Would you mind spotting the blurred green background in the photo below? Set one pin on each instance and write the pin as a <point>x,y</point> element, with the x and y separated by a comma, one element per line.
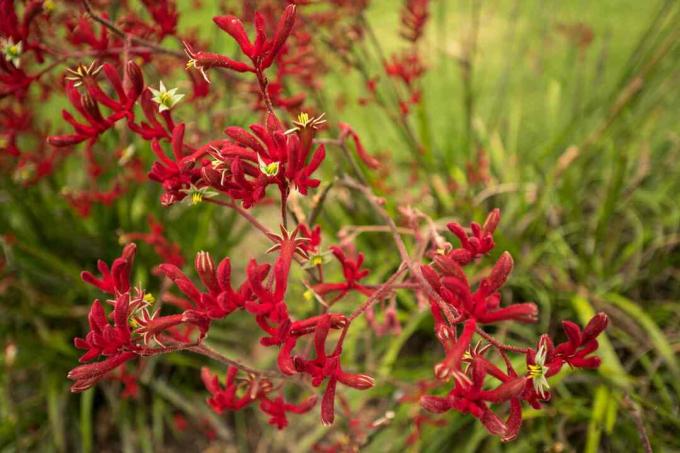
<point>576,107</point>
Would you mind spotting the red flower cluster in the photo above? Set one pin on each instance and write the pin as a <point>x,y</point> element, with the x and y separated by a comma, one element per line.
<point>239,393</point>
<point>261,52</point>
<point>235,172</point>
<point>414,17</point>
<point>469,393</point>
<point>246,166</point>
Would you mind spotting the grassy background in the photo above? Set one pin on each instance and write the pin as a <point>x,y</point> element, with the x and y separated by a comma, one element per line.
<point>583,143</point>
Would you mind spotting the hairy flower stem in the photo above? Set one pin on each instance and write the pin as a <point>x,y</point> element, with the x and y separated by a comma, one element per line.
<point>263,83</point>
<point>378,294</point>
<point>245,214</point>
<point>447,310</point>
<point>500,346</point>
<point>211,353</point>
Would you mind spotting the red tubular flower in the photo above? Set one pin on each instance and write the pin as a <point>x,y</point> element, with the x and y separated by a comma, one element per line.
<point>547,360</point>
<point>468,396</point>
<point>484,303</point>
<point>164,13</point>
<point>220,300</point>
<point>86,376</point>
<point>80,31</point>
<point>347,131</point>
<point>13,81</point>
<point>353,274</point>
<point>267,303</point>
<point>179,175</point>
<point>326,366</point>
<point>313,236</point>
<point>479,243</point>
<point>229,397</point>
<point>277,408</point>
<point>206,60</point>
<point>82,201</point>
<point>113,341</point>
<point>575,351</point>
<point>87,104</point>
<point>103,338</point>
<point>117,279</point>
<point>264,50</point>
<point>454,352</point>
<point>406,68</point>
<point>245,168</point>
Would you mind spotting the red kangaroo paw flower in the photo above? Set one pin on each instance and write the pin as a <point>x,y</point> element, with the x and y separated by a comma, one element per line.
<point>86,376</point>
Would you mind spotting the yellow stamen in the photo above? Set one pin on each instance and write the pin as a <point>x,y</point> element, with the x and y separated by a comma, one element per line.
<point>536,371</point>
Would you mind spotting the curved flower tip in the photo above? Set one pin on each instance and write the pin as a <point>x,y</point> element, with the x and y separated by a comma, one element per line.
<point>357,381</point>
<point>595,327</point>
<point>492,221</point>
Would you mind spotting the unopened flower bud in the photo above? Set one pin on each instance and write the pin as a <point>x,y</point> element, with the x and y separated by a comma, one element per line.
<point>136,79</point>
<point>499,274</point>
<point>205,267</point>
<point>595,327</point>
<point>491,221</point>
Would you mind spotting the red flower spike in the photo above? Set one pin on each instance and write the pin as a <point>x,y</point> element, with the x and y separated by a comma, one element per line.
<point>87,104</point>
<point>116,280</point>
<point>104,339</point>
<point>245,168</point>
<point>313,236</point>
<point>179,175</point>
<point>164,15</point>
<point>468,396</point>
